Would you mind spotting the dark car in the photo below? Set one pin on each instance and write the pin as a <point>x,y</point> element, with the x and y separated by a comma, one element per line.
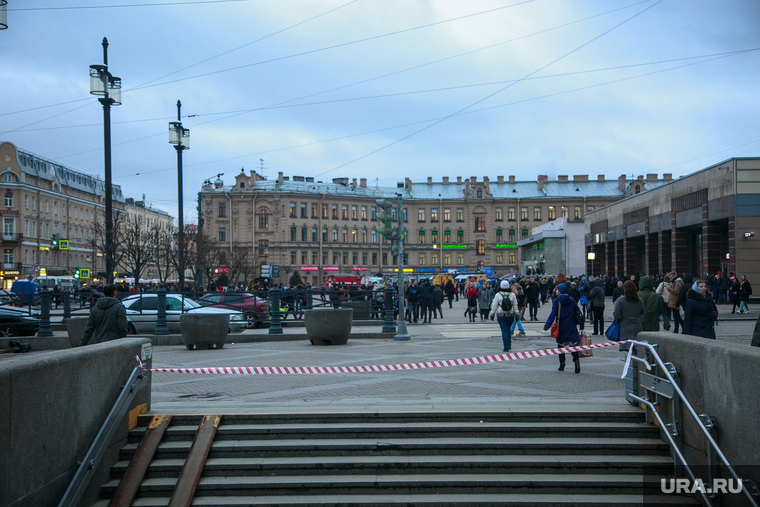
<point>15,323</point>
<point>255,308</point>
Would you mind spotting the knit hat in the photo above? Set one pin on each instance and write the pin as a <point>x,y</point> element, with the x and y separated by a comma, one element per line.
<point>562,288</point>
<point>504,285</point>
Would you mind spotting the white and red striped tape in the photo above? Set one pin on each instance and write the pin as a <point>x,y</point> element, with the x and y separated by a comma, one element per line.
<point>309,370</point>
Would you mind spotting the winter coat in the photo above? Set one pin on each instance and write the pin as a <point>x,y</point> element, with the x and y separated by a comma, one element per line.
<point>700,314</point>
<point>520,298</point>
<point>675,291</point>
<point>496,305</point>
<point>437,296</point>
<point>664,291</point>
<point>426,294</point>
<point>413,293</point>
<point>450,290</point>
<point>723,282</point>
<point>653,305</point>
<point>745,291</point>
<point>108,321</point>
<point>531,293</point>
<point>628,315</point>
<point>567,330</point>
<point>574,293</point>
<point>596,296</point>
<point>617,294</point>
<point>483,298</point>
<point>687,282</point>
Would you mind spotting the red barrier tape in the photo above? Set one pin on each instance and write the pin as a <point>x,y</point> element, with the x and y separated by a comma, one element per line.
<point>310,370</point>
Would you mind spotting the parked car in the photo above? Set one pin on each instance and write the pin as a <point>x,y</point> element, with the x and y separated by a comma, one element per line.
<point>26,292</point>
<point>255,309</point>
<point>142,311</point>
<point>17,323</point>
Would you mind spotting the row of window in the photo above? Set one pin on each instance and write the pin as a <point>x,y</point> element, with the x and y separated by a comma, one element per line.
<point>342,258</point>
<point>83,213</point>
<point>31,257</point>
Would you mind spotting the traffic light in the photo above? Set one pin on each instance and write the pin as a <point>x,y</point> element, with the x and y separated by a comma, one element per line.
<point>385,216</point>
<point>76,273</point>
<point>54,241</point>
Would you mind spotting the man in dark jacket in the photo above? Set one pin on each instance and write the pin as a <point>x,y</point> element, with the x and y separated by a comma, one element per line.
<point>451,291</point>
<point>413,297</point>
<point>722,283</point>
<point>618,291</point>
<point>596,303</point>
<point>437,301</point>
<point>108,319</point>
<point>531,295</point>
<point>426,301</point>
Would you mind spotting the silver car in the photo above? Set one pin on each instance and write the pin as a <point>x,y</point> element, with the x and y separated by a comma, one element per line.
<point>142,313</point>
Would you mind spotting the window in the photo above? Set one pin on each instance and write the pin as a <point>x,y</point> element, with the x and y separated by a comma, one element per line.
<point>460,214</point>
<point>8,177</point>
<point>364,235</point>
<point>591,208</point>
<point>324,211</point>
<point>434,215</point>
<point>344,212</point>
<point>524,233</point>
<point>293,210</point>
<point>26,202</point>
<point>523,213</point>
<point>313,257</point>
<point>405,218</point>
<point>8,200</point>
<point>434,237</point>
<point>373,212</point>
<point>499,258</point>
<point>460,237</point>
<point>447,214</point>
<point>364,213</point>
<point>34,231</point>
<point>480,193</point>
<point>480,224</point>
<point>511,214</point>
<point>564,211</point>
<point>335,235</point>
<point>385,259</point>
<point>55,207</point>
<point>345,236</point>
<point>313,211</point>
<point>9,226</point>
<point>47,230</point>
<point>447,259</point>
<point>34,203</point>
<point>324,235</point>
<point>422,237</point>
<point>578,212</point>
<point>364,259</point>
<point>499,214</point>
<point>354,237</point>
<point>422,259</point>
<point>354,259</point>
<point>304,234</point>
<point>373,236</point>
<point>8,256</point>
<point>293,232</point>
<point>434,259</point>
<point>292,258</point>
<point>498,236</point>
<point>393,214</point>
<point>335,211</point>
<point>536,213</point>
<point>303,210</point>
<point>222,234</point>
<point>345,258</point>
<point>374,259</point>
<point>263,220</point>
<point>511,257</point>
<point>222,209</point>
<point>303,259</point>
<point>511,235</point>
<point>480,245</point>
<point>353,213</point>
<point>314,238</point>
<point>552,214</point>
<point>447,237</point>
<point>460,259</point>
<point>336,258</point>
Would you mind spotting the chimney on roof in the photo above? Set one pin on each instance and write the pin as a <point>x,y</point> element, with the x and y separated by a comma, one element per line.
<point>511,179</point>
<point>430,180</point>
<point>667,177</point>
<point>580,178</point>
<point>353,183</point>
<point>500,179</point>
<point>541,179</point>
<point>600,178</point>
<point>298,178</point>
<point>473,180</point>
<point>621,183</point>
<point>652,177</point>
<point>363,182</point>
<point>286,178</point>
<point>486,180</point>
<point>279,177</point>
<point>340,181</point>
<point>562,179</point>
<point>459,180</point>
<point>309,179</point>
<point>408,184</point>
<point>445,180</point>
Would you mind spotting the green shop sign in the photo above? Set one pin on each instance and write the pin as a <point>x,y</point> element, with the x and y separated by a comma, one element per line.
<point>456,247</point>
<point>511,245</point>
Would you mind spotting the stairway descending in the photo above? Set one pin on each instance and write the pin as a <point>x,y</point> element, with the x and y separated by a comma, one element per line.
<point>383,459</point>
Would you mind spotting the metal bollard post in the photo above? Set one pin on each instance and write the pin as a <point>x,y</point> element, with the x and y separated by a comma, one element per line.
<point>275,327</point>
<point>309,298</point>
<point>45,297</point>
<point>388,326</point>
<point>161,328</point>
<point>66,306</point>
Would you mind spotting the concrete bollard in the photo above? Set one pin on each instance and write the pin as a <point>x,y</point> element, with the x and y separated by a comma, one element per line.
<point>275,327</point>
<point>45,298</point>
<point>161,328</point>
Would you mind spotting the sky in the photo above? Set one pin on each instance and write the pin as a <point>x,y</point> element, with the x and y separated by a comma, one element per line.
<point>383,89</point>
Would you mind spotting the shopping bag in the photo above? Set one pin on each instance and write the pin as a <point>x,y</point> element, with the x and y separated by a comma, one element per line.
<point>613,332</point>
<point>586,340</point>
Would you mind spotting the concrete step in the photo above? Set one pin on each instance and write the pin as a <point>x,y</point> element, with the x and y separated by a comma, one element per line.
<point>389,465</point>
<point>402,484</point>
<point>178,432</point>
<point>414,500</point>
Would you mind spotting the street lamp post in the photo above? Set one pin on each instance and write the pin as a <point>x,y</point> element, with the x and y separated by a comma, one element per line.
<point>109,88</point>
<point>180,138</point>
<point>3,14</point>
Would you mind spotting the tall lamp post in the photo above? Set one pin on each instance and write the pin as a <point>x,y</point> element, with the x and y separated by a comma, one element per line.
<point>180,138</point>
<point>3,14</point>
<point>108,87</point>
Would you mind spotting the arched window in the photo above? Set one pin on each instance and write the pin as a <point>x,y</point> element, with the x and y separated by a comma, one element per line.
<point>480,193</point>
<point>8,177</point>
<point>263,219</point>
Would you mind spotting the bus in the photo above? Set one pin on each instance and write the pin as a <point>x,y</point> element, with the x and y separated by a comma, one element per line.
<point>61,281</point>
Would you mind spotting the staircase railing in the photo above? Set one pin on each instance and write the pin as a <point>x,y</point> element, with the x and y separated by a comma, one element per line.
<point>668,388</point>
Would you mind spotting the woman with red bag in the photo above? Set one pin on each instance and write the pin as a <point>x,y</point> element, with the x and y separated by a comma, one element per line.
<point>563,313</point>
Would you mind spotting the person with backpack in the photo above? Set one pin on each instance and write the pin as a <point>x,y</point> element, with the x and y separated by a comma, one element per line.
<point>653,306</point>
<point>504,308</point>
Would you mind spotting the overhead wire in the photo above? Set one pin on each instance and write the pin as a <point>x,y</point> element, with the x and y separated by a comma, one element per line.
<point>494,93</point>
<point>116,6</point>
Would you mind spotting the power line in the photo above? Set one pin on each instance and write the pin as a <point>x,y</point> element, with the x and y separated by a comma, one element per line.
<point>162,4</point>
<point>492,94</point>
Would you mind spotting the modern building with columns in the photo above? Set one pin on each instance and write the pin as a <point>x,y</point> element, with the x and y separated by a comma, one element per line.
<point>700,224</point>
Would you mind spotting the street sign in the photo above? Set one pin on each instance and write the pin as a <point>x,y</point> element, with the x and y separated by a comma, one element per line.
<point>266,270</point>
<point>43,272</point>
<point>276,271</point>
<point>63,244</point>
<point>84,273</point>
<point>30,278</point>
<point>488,272</point>
<point>36,268</point>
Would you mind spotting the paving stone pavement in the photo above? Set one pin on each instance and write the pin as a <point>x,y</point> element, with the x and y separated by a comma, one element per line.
<point>514,385</point>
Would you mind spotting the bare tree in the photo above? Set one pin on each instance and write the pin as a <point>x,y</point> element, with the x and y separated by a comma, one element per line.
<point>137,246</point>
<point>239,264</point>
<point>201,253</point>
<point>98,241</point>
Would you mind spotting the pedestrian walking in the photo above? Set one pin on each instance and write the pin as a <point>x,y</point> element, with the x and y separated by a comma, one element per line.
<point>745,293</point>
<point>653,306</point>
<point>483,301</point>
<point>437,301</point>
<point>734,289</point>
<point>564,309</point>
<point>451,292</point>
<point>700,311</point>
<point>504,308</point>
<point>517,290</point>
<point>472,301</point>
<point>426,301</point>
<point>627,313</point>
<point>531,296</point>
<point>108,319</point>
<point>618,291</point>
<point>596,303</point>
<point>685,284</point>
<point>413,298</point>
<point>663,290</point>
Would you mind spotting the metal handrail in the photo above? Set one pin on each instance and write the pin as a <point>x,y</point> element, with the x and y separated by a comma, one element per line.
<point>682,398</point>
<point>137,380</point>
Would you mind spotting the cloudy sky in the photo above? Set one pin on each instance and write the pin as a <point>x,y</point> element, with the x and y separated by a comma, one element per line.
<point>384,89</point>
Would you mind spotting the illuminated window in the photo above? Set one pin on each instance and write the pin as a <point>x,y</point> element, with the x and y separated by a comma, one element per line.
<point>344,211</point>
<point>353,213</point>
<point>578,212</point>
<point>335,211</point>
<point>511,257</point>
<point>511,214</point>
<point>422,237</point>
<point>434,215</point>
<point>293,209</point>
<point>564,211</point>
<point>434,259</point>
<point>536,213</point>
<point>480,246</point>
<point>447,259</point>
<point>434,237</point>
<point>480,224</point>
<point>447,237</point>
<point>552,214</point>
<point>364,213</point>
<point>499,258</point>
<point>446,214</point>
<point>422,259</point>
<point>460,236</point>
<point>460,259</point>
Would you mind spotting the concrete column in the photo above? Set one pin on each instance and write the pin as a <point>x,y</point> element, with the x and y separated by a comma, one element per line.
<point>589,262</point>
<point>663,251</point>
<point>711,260</point>
<point>629,257</point>
<point>647,248</point>
<point>620,259</point>
<point>610,264</point>
<point>732,244</point>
